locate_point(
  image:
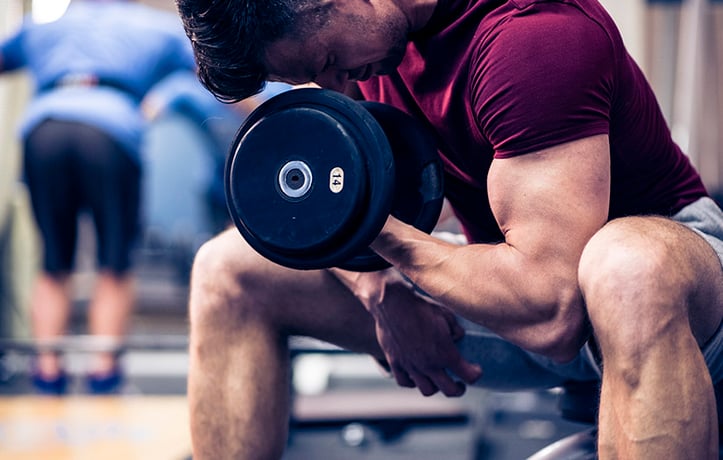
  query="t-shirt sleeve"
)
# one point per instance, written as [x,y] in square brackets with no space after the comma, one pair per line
[542,78]
[12,56]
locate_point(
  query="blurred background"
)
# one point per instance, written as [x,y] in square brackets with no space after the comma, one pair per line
[344,408]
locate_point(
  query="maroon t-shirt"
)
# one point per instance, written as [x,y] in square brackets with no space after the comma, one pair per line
[497,78]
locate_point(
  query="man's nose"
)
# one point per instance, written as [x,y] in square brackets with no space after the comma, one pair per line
[333,79]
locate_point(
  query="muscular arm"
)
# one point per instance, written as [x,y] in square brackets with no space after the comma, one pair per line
[548,204]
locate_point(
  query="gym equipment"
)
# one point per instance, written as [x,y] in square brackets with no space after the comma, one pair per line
[95,344]
[312,176]
[577,446]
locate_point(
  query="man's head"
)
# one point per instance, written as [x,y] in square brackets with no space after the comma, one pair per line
[240,44]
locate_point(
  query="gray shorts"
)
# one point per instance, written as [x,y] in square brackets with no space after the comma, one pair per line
[508,367]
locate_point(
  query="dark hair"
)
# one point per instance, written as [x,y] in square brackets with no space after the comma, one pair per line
[229,38]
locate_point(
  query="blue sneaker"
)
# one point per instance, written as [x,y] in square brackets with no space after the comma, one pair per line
[53,387]
[105,384]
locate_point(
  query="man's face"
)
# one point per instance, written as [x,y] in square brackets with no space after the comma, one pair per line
[358,42]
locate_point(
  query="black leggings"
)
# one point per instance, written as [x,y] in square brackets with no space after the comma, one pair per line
[71,167]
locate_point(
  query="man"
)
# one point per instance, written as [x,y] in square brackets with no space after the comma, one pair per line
[571,194]
[82,135]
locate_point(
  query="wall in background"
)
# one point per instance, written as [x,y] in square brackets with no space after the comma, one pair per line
[679,45]
[13,94]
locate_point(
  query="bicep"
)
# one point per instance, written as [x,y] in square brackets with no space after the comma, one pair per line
[549,203]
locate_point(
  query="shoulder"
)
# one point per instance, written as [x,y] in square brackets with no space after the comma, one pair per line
[548,27]
[544,46]
[540,74]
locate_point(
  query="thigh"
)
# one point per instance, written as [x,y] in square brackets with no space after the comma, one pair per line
[110,181]
[234,287]
[705,218]
[52,184]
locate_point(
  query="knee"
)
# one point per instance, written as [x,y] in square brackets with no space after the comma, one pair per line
[634,282]
[220,281]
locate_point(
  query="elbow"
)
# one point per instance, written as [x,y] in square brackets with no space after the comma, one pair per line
[564,330]
[565,341]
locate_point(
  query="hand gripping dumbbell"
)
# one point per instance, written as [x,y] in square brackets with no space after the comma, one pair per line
[312,176]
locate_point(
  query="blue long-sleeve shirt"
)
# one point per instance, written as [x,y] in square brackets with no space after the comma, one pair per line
[128,47]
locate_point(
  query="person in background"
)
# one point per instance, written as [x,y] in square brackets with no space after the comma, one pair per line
[81,135]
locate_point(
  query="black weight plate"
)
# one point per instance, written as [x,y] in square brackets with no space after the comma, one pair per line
[419,185]
[315,220]
[325,130]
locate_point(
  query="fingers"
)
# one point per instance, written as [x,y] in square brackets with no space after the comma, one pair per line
[424,384]
[439,381]
[465,370]
[431,382]
[448,375]
[400,375]
[448,386]
[427,384]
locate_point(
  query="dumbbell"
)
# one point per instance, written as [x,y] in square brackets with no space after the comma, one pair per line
[312,176]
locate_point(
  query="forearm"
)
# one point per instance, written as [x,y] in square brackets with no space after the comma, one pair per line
[534,305]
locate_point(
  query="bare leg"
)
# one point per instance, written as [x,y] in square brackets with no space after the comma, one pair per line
[654,293]
[242,309]
[50,310]
[109,313]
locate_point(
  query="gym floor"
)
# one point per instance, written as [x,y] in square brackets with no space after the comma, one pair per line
[344,407]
